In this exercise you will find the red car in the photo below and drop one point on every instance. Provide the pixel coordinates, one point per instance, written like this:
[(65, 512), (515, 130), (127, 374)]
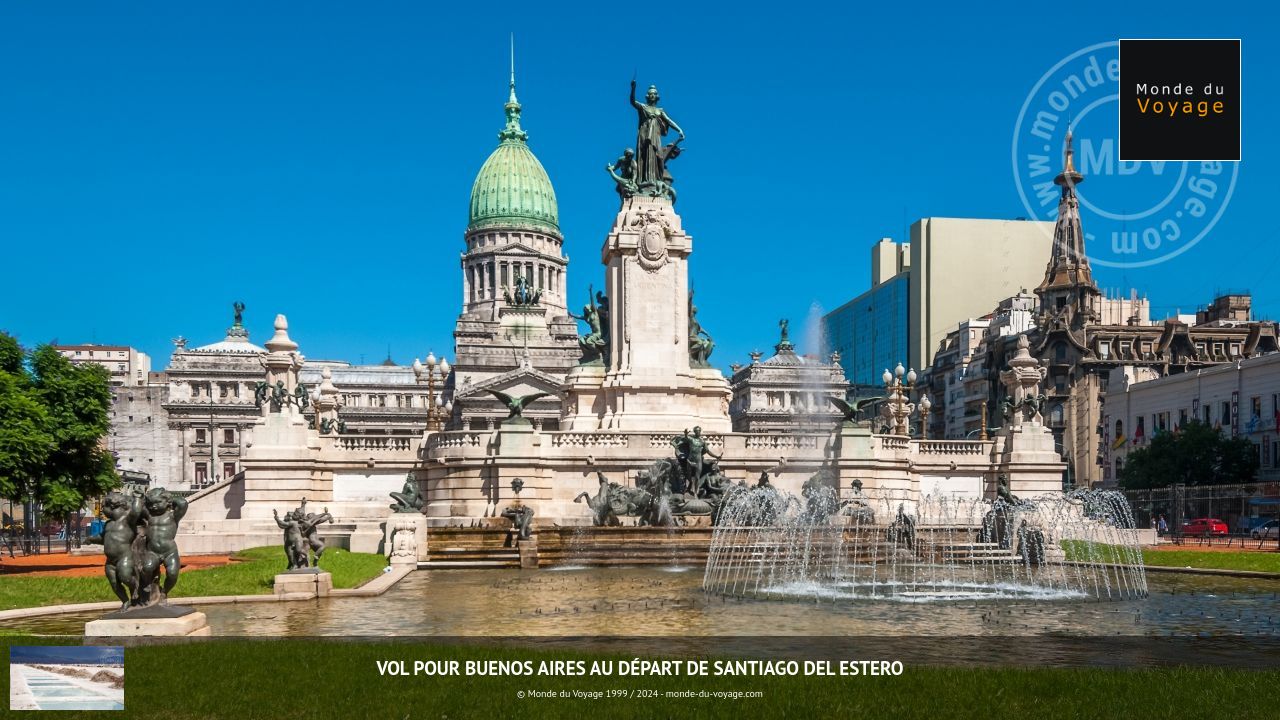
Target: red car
[(1204, 526)]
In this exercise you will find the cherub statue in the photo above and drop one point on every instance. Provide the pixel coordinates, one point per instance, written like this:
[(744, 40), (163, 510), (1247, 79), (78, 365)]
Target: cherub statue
[(123, 514), (293, 544), (162, 513)]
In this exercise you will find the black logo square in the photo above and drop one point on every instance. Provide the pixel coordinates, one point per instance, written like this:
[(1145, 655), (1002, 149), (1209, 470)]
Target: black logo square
[(1180, 100)]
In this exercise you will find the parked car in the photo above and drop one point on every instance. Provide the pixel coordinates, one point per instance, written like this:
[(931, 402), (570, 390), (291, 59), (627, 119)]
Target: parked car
[(1266, 530), (1204, 526)]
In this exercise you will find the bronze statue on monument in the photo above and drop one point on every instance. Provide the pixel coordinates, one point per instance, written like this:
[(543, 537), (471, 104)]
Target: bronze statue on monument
[(643, 170)]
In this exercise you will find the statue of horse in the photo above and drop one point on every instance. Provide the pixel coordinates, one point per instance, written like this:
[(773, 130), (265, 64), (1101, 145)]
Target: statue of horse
[(602, 511)]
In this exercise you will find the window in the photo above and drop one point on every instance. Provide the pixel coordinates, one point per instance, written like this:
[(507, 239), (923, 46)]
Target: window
[(1225, 418), (1235, 349), (228, 436), (1060, 352), (202, 473), (200, 435), (1124, 348), (1055, 415), (228, 469), (1104, 350), (1182, 417)]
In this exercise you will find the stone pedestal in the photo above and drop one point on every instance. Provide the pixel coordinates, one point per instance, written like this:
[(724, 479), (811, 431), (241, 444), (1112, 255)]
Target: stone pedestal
[(1031, 460), (649, 384), (181, 622), (406, 538), (369, 537), (517, 438), (311, 581), (528, 553)]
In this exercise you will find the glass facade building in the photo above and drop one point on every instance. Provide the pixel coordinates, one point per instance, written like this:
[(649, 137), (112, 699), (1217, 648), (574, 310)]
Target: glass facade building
[(870, 331)]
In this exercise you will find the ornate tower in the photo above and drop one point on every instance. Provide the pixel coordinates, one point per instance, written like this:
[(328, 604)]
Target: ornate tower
[(1068, 295), (513, 333), (1069, 304)]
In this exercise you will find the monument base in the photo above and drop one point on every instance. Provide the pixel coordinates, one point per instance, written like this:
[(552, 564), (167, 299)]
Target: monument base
[(192, 623), (406, 538), (310, 581), (528, 553)]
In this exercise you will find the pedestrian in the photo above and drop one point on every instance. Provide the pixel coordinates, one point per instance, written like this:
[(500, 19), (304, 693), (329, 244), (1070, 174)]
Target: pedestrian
[(1162, 527)]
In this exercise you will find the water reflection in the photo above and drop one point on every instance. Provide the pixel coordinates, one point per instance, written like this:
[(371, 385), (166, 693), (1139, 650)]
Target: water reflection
[(669, 602)]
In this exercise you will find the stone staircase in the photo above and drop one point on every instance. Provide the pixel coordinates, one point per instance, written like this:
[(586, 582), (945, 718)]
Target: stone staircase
[(463, 548), (469, 548), (474, 548), (602, 546)]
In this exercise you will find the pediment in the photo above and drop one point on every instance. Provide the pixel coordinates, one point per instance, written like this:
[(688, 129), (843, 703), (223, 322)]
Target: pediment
[(516, 383), (519, 247)]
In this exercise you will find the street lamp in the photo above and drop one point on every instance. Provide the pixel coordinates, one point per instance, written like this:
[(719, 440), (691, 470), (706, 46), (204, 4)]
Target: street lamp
[(925, 405), (898, 393), (430, 373)]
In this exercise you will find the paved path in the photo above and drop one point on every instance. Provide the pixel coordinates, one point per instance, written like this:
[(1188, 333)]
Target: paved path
[(51, 691), (62, 564)]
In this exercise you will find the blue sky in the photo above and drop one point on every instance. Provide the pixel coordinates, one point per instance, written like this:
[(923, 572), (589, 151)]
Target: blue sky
[(161, 160), (68, 654)]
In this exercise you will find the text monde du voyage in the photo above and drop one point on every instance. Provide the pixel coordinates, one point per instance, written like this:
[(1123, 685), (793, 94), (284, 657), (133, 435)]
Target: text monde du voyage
[(1179, 99)]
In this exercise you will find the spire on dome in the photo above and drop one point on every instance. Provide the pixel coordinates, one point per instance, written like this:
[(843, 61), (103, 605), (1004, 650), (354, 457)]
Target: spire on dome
[(513, 132)]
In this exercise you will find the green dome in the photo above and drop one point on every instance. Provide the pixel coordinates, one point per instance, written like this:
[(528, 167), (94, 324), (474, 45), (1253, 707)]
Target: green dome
[(512, 190)]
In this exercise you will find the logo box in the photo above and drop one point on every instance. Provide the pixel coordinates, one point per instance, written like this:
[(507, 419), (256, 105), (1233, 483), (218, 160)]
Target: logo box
[(1180, 100)]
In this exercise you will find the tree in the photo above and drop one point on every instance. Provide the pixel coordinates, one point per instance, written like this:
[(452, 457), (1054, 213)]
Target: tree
[(78, 401), (25, 443), (53, 418), (1195, 455)]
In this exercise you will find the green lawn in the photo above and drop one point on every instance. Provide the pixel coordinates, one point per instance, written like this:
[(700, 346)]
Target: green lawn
[(1211, 559), (242, 679), (252, 575)]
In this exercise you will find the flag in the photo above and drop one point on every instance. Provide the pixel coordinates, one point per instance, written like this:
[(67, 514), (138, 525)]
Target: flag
[(1254, 422), (1119, 443)]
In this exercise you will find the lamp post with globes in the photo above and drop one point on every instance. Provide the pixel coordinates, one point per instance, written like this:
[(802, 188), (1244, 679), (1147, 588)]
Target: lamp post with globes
[(431, 373), (898, 394)]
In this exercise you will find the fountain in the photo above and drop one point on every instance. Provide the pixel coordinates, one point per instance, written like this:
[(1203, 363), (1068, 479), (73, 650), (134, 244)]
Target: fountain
[(887, 545)]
